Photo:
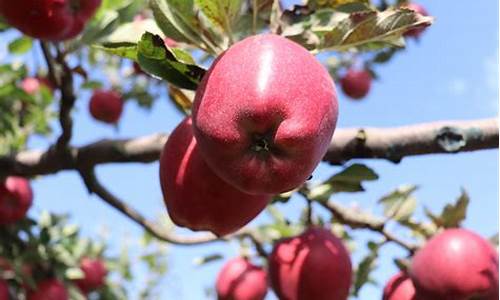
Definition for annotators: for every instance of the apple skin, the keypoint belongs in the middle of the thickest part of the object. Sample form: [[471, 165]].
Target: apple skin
[[16, 198], [456, 264], [106, 106], [399, 287], [314, 265], [241, 280], [264, 114], [416, 32], [49, 289], [51, 20], [31, 85], [356, 83], [195, 197], [94, 272], [4, 290]]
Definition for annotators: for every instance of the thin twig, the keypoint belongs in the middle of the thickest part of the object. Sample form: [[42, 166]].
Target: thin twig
[[355, 219], [94, 186]]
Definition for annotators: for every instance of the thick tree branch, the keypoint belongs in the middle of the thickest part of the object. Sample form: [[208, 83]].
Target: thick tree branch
[[428, 138], [387, 143], [68, 99]]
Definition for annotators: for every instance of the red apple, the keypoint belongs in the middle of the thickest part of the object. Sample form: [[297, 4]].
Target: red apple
[[314, 265], [94, 272], [4, 290], [264, 114], [356, 83], [416, 32], [49, 289], [106, 106], [399, 287], [16, 197], [241, 280], [31, 85], [456, 264], [196, 198], [49, 19]]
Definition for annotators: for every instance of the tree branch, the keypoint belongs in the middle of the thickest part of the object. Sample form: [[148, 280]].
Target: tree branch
[[355, 219], [387, 143], [429, 138], [94, 186], [68, 99]]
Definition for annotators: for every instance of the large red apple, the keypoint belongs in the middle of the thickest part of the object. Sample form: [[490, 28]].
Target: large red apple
[[16, 197], [241, 280], [456, 264], [196, 198], [49, 289], [264, 114], [314, 265], [106, 106], [4, 290], [416, 32], [49, 19], [356, 83], [94, 272], [399, 287]]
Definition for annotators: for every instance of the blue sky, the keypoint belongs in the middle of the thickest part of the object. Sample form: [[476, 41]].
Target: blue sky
[[452, 73]]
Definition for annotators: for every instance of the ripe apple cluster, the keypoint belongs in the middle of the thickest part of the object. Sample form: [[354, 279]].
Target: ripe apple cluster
[[294, 270], [51, 20], [263, 117]]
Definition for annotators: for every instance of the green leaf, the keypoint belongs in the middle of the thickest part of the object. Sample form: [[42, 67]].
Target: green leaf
[[317, 4], [156, 59], [179, 20], [20, 45], [365, 267], [452, 214], [132, 32], [399, 204], [348, 180], [327, 29], [199, 261], [74, 273], [125, 50], [222, 13]]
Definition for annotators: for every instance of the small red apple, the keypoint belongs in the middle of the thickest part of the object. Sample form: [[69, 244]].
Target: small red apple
[[16, 197], [264, 114], [416, 32], [49, 289], [4, 290], [356, 83], [94, 272], [241, 280], [31, 85], [195, 197], [52, 20], [456, 264], [314, 265], [106, 106], [399, 287]]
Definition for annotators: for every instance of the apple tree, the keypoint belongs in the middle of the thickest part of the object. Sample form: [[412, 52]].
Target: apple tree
[[255, 82]]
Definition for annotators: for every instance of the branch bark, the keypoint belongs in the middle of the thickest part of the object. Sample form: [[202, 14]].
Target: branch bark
[[378, 143], [94, 186], [355, 219]]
